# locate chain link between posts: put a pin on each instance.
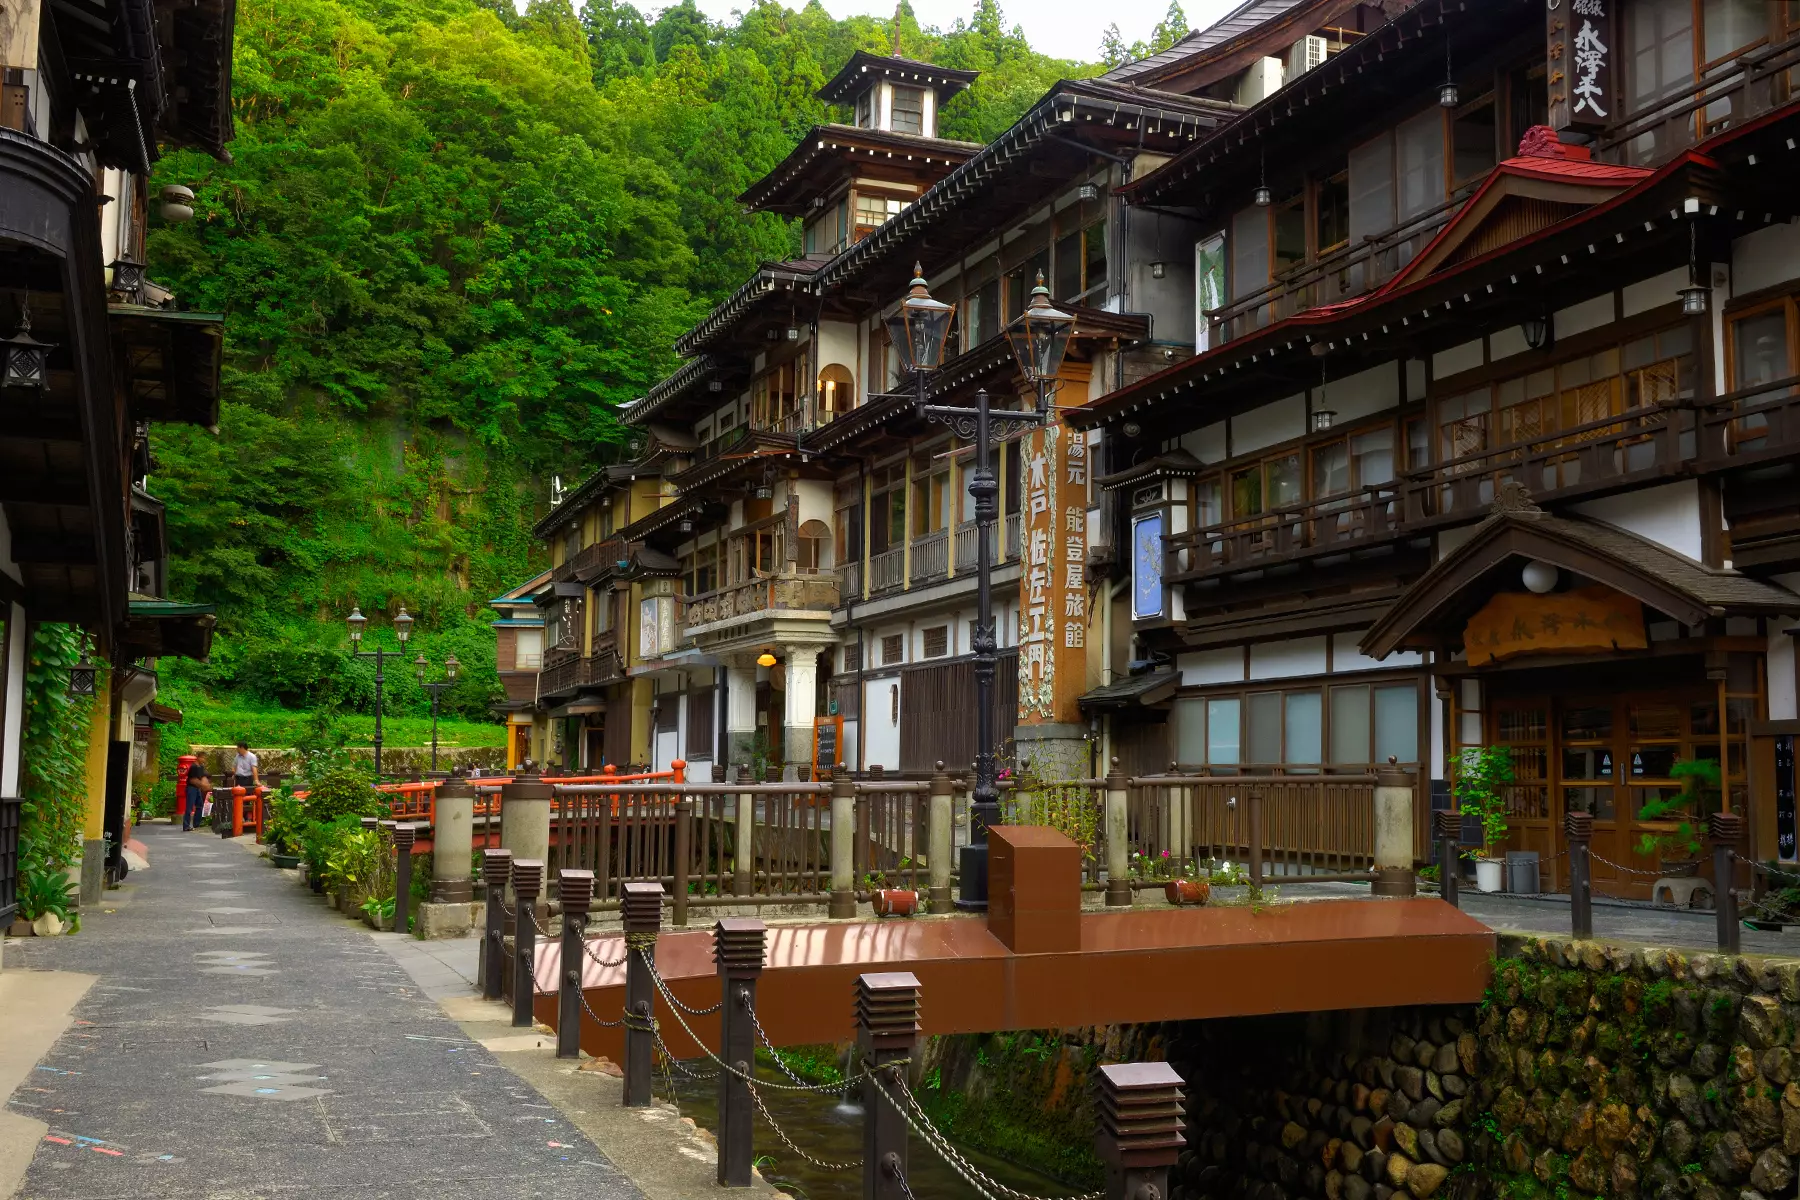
(960, 1164)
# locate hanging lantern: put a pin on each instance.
(765, 659)
(83, 676)
(918, 328)
(1040, 336)
(127, 276)
(25, 361)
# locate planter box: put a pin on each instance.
(20, 928)
(331, 898)
(287, 862)
(384, 924)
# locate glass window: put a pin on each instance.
(1209, 505)
(1067, 285)
(865, 109)
(1330, 470)
(1290, 232)
(1372, 456)
(987, 311)
(1188, 725)
(529, 652)
(1249, 252)
(1350, 725)
(1305, 727)
(1265, 728)
(1397, 723)
(1371, 188)
(1760, 349)
(909, 110)
(1094, 237)
(1247, 492)
(1209, 285)
(1331, 219)
(1421, 153)
(1022, 279)
(1659, 50)
(1286, 483)
(1223, 731)
(1473, 135)
(1732, 25)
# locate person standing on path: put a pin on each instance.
(197, 788)
(245, 770)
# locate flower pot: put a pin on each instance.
(286, 862)
(1490, 874)
(1187, 891)
(47, 925)
(316, 883)
(20, 928)
(896, 902)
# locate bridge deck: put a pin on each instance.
(1133, 966)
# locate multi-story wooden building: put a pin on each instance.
(784, 574)
(1490, 439)
(91, 351)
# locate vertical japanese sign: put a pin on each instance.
(1053, 591)
(1579, 48)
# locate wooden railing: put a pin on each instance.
(850, 580)
(1728, 95)
(565, 672)
(1323, 527)
(1297, 826)
(1608, 453)
(588, 558)
(798, 592)
(1752, 424)
(931, 556)
(887, 570)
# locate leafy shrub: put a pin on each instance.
(343, 791)
(319, 838)
(44, 887)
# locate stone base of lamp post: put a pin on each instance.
(444, 920)
(1054, 751)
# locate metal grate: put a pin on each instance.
(893, 649)
(11, 808)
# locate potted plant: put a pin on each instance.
(1678, 847)
(47, 898)
(1482, 776)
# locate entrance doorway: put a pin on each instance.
(1609, 754)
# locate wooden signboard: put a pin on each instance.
(828, 738)
(1578, 43)
(1053, 592)
(1587, 619)
(1774, 812)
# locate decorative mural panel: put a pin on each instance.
(1589, 618)
(1146, 566)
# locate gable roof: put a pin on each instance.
(854, 76)
(789, 188)
(1241, 21)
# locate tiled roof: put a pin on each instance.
(1239, 21)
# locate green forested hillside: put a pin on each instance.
(452, 239)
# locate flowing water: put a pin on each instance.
(830, 1128)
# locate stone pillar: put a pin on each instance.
(843, 849)
(1394, 833)
(1118, 840)
(738, 952)
(801, 708)
(446, 913)
(740, 711)
(940, 842)
(887, 1030)
(1054, 752)
(525, 818)
(1140, 1135)
(575, 891)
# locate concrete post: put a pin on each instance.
(1579, 829)
(1448, 827)
(738, 951)
(496, 871)
(527, 881)
(641, 911)
(801, 708)
(940, 837)
(843, 849)
(1140, 1135)
(743, 840)
(1118, 840)
(887, 1030)
(1725, 830)
(575, 889)
(525, 818)
(452, 839)
(740, 712)
(404, 833)
(1394, 833)
(684, 851)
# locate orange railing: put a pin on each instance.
(418, 801)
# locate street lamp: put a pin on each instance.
(402, 630)
(437, 691)
(1039, 337)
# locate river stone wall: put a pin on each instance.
(1589, 1070)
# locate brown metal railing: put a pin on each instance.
(891, 850)
(1752, 424)
(1317, 828)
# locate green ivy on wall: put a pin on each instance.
(54, 778)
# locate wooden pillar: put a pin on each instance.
(1578, 827)
(1140, 1135)
(496, 872)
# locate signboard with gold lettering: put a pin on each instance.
(1053, 477)
(1578, 45)
(1587, 619)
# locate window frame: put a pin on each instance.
(1322, 686)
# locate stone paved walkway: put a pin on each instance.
(244, 1041)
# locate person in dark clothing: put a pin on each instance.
(198, 786)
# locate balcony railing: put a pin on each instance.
(1596, 456)
(1331, 526)
(567, 673)
(588, 559)
(790, 593)
(1730, 94)
(850, 580)
(931, 556)
(887, 570)
(1751, 425)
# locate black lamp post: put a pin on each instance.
(436, 690)
(1039, 337)
(402, 630)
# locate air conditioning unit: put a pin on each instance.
(1308, 52)
(1263, 79)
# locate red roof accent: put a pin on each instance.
(1573, 170)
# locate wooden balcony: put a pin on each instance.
(796, 595)
(1755, 435)
(1590, 459)
(1725, 97)
(566, 671)
(588, 561)
(1334, 526)
(1752, 426)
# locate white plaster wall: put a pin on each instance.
(1212, 666)
(1268, 425)
(1437, 736)
(1668, 515)
(1285, 660)
(1451, 539)
(1206, 443)
(815, 499)
(1652, 293)
(1363, 394)
(1457, 359)
(1507, 342)
(12, 733)
(1782, 701)
(881, 737)
(1589, 314)
(1346, 657)
(1765, 258)
(837, 344)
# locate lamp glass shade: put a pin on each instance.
(419, 665)
(765, 659)
(82, 678)
(356, 621)
(450, 665)
(1539, 577)
(1449, 96)
(25, 361)
(403, 625)
(1693, 301)
(1040, 336)
(1536, 332)
(1263, 196)
(920, 325)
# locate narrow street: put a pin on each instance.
(241, 1040)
